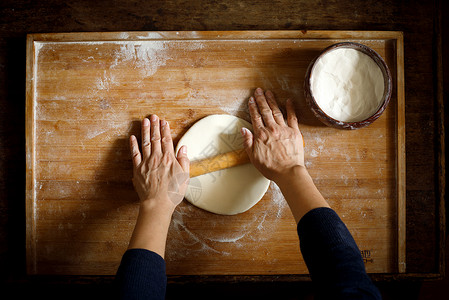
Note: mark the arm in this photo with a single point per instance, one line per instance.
(160, 179)
(276, 150)
(333, 258)
(331, 254)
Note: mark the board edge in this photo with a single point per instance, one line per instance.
(214, 35)
(30, 157)
(400, 155)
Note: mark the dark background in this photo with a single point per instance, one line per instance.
(424, 24)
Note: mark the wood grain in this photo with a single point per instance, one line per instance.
(87, 94)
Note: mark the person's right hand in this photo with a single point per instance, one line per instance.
(276, 147)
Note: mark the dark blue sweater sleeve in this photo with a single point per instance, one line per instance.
(333, 258)
(141, 275)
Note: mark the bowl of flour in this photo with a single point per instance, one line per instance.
(348, 86)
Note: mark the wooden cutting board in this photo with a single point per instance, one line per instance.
(86, 94)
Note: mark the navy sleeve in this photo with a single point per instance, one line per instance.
(333, 258)
(141, 275)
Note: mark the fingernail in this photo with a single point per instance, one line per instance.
(243, 131)
(251, 99)
(153, 118)
(146, 122)
(184, 149)
(258, 91)
(163, 123)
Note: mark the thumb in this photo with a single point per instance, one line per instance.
(183, 159)
(247, 140)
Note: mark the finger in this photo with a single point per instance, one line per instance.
(277, 114)
(264, 108)
(292, 120)
(247, 140)
(166, 139)
(256, 118)
(146, 142)
(135, 153)
(155, 134)
(183, 159)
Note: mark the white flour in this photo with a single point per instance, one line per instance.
(146, 56)
(347, 85)
(185, 241)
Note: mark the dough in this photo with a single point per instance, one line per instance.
(347, 85)
(229, 191)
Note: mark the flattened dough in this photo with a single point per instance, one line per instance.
(226, 192)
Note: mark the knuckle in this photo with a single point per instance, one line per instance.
(145, 142)
(263, 135)
(278, 114)
(134, 155)
(266, 111)
(274, 130)
(165, 139)
(258, 119)
(292, 117)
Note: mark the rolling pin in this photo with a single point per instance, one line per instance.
(218, 162)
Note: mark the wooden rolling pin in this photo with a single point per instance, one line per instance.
(218, 162)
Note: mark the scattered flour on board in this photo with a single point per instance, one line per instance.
(143, 56)
(150, 35)
(107, 81)
(278, 199)
(146, 57)
(313, 153)
(257, 229)
(95, 132)
(123, 35)
(239, 101)
(178, 225)
(229, 239)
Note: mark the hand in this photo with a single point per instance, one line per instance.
(159, 177)
(277, 150)
(276, 147)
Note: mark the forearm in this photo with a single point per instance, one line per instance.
(300, 192)
(151, 229)
(333, 258)
(141, 275)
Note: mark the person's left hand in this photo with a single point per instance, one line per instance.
(159, 177)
